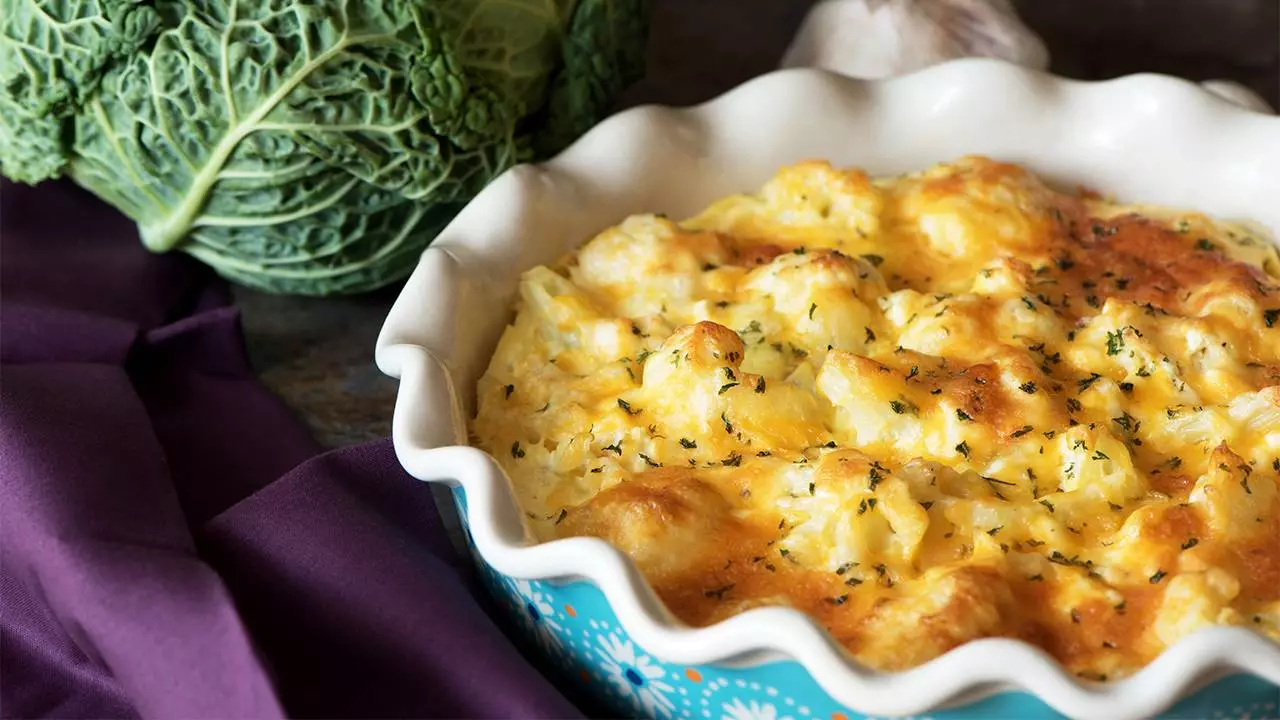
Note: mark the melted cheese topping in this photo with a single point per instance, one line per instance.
(923, 409)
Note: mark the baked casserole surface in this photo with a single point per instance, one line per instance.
(923, 409)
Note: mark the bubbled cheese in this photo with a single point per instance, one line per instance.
(924, 409)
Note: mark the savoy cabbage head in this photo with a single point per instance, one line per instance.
(302, 146)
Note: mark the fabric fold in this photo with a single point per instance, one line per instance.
(342, 541)
(168, 546)
(91, 520)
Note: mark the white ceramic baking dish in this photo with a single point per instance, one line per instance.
(1144, 138)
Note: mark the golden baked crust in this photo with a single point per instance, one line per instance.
(924, 409)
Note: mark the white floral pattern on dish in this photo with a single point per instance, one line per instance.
(539, 615)
(636, 676)
(752, 710)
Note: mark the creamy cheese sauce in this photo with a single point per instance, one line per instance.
(923, 409)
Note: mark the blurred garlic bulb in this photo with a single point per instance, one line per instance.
(1234, 92)
(882, 38)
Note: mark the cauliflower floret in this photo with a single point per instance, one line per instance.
(684, 378)
(811, 203)
(1224, 299)
(976, 328)
(569, 324)
(1097, 465)
(943, 325)
(1121, 343)
(1211, 363)
(647, 262)
(943, 608)
(1196, 600)
(1250, 424)
(816, 196)
(1179, 425)
(1257, 418)
(973, 210)
(1155, 538)
(853, 510)
(871, 406)
(1004, 277)
(695, 382)
(1234, 498)
(823, 298)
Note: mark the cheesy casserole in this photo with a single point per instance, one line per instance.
(922, 409)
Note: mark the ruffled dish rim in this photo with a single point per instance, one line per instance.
(1140, 135)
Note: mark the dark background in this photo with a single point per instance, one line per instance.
(318, 354)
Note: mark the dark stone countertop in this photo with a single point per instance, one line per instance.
(318, 353)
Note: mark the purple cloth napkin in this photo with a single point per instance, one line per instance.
(169, 544)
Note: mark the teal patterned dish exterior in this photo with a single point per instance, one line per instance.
(570, 627)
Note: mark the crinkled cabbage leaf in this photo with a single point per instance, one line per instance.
(302, 147)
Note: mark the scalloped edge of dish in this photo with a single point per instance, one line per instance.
(1162, 128)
